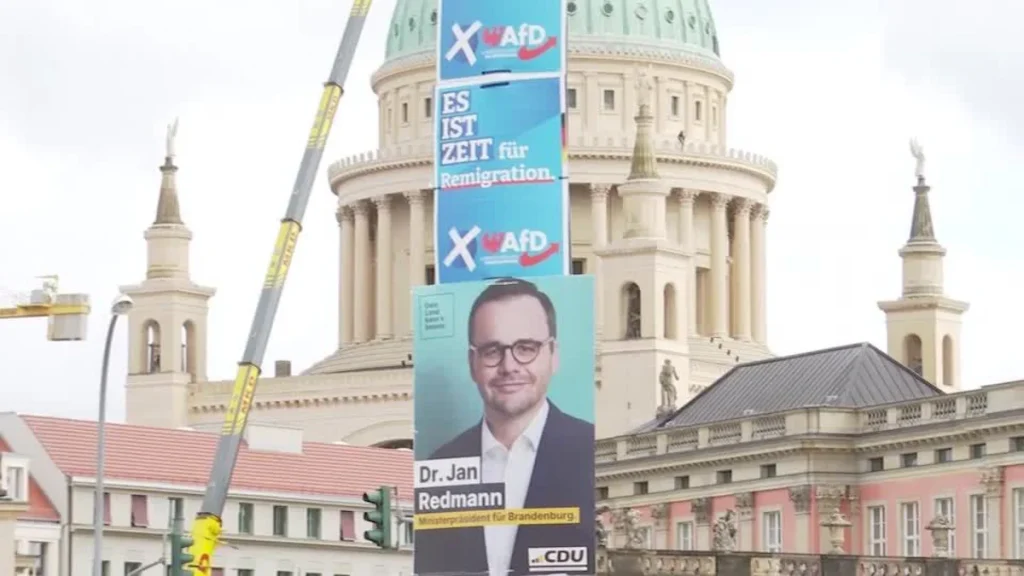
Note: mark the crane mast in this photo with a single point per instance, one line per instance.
(206, 528)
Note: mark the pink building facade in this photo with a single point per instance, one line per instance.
(889, 468)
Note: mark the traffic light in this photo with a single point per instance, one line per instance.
(380, 517)
(180, 556)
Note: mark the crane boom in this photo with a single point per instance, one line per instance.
(207, 526)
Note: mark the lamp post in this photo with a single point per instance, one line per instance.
(122, 305)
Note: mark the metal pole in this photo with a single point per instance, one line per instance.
(98, 505)
(142, 569)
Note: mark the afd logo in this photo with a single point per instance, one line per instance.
(525, 248)
(526, 42)
(568, 559)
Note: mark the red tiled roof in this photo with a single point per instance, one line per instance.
(39, 506)
(147, 454)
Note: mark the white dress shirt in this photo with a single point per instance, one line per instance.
(514, 467)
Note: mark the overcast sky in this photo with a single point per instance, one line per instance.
(830, 90)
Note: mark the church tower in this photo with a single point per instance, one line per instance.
(644, 287)
(923, 324)
(168, 323)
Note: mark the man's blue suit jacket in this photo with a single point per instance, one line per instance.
(563, 476)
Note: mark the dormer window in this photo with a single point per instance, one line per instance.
(15, 480)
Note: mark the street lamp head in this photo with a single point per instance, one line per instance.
(122, 305)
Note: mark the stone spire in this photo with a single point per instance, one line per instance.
(643, 166)
(923, 324)
(921, 227)
(167, 208)
(643, 193)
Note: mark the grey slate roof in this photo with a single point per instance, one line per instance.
(851, 376)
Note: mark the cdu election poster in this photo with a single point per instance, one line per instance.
(504, 427)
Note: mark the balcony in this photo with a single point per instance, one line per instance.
(704, 563)
(620, 147)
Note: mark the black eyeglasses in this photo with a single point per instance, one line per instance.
(523, 351)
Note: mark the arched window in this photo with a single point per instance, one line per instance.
(188, 348)
(912, 354)
(948, 359)
(152, 350)
(633, 311)
(397, 444)
(671, 313)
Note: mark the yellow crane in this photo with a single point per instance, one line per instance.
(68, 314)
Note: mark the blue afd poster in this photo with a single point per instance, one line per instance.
(499, 362)
(501, 201)
(477, 37)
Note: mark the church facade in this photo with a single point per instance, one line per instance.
(682, 281)
(696, 417)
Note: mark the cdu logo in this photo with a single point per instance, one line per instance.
(562, 560)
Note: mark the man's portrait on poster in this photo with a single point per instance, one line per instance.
(541, 454)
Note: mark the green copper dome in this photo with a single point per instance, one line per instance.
(683, 25)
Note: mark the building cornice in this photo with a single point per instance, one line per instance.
(171, 489)
(732, 488)
(620, 148)
(340, 545)
(924, 303)
(312, 391)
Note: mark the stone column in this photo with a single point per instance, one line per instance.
(360, 273)
(417, 241)
(417, 238)
(741, 269)
(992, 480)
(385, 260)
(759, 330)
(746, 525)
(599, 238)
(829, 499)
(685, 239)
(719, 293)
(660, 536)
(800, 496)
(345, 222)
(701, 510)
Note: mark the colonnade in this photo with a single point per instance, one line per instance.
(735, 301)
(365, 302)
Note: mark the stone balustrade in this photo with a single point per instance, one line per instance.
(823, 420)
(667, 149)
(703, 563)
(965, 405)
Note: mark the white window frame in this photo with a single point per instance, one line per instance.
(771, 531)
(946, 505)
(684, 535)
(609, 105)
(877, 545)
(979, 526)
(1018, 522)
(17, 486)
(910, 528)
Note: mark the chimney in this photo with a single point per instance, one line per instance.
(282, 368)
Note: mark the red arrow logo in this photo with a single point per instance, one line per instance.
(527, 53)
(526, 259)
